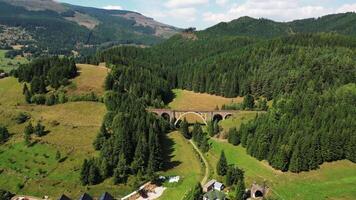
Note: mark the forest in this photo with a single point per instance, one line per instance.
(43, 73)
(309, 77)
(129, 140)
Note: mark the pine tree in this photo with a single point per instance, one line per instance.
(195, 194)
(248, 102)
(39, 130)
(240, 190)
(4, 134)
(27, 93)
(234, 136)
(210, 128)
(101, 137)
(29, 129)
(221, 166)
(84, 172)
(120, 172)
(94, 174)
(184, 128)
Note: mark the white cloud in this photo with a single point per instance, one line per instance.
(188, 14)
(347, 8)
(221, 2)
(184, 3)
(113, 7)
(280, 10)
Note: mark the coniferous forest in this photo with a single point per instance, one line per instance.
(310, 78)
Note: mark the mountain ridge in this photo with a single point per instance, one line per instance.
(60, 28)
(342, 23)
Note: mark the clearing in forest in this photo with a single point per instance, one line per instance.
(188, 100)
(91, 79)
(8, 64)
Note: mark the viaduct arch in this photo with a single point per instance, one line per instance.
(205, 115)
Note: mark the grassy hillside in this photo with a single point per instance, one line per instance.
(334, 180)
(72, 126)
(8, 64)
(91, 79)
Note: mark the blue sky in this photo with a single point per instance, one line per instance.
(205, 13)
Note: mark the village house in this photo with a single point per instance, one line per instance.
(2, 75)
(213, 185)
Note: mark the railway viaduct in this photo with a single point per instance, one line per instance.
(206, 115)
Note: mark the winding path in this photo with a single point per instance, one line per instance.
(206, 175)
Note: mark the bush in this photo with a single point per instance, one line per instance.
(5, 195)
(38, 99)
(22, 118)
(4, 134)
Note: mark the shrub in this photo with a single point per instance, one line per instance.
(22, 118)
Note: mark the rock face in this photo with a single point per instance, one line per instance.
(161, 30)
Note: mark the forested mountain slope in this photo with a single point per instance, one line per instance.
(60, 28)
(246, 26)
(310, 77)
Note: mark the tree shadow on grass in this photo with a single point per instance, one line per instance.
(168, 149)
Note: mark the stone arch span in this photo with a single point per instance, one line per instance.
(191, 112)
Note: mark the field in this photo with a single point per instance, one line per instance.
(91, 79)
(188, 100)
(184, 163)
(7, 64)
(335, 180)
(34, 170)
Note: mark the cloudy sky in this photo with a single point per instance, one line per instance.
(205, 13)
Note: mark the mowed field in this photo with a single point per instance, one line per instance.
(7, 64)
(34, 170)
(188, 100)
(184, 162)
(336, 180)
(91, 79)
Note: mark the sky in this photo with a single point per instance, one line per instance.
(205, 13)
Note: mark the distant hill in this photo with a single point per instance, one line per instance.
(60, 28)
(344, 23)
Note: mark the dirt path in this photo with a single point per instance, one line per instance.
(206, 175)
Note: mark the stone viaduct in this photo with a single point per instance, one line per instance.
(206, 116)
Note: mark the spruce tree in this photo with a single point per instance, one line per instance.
(234, 136)
(84, 172)
(195, 194)
(240, 190)
(248, 102)
(120, 172)
(39, 130)
(184, 128)
(4, 134)
(221, 167)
